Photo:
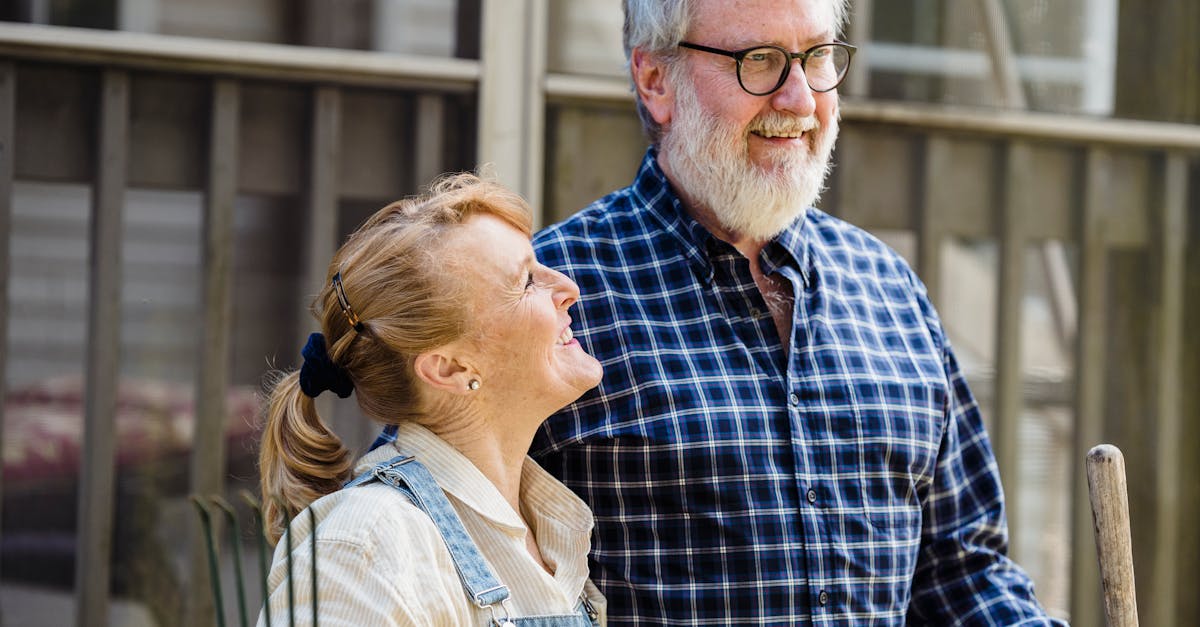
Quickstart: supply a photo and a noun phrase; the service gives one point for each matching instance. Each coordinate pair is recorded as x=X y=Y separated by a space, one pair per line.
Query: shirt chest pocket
x=890 y=441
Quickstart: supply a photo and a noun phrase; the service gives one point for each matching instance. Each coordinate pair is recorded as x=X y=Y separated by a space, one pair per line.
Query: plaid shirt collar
x=653 y=190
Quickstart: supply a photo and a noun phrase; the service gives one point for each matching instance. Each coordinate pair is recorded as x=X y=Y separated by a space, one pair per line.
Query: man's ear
x=650 y=80
x=442 y=372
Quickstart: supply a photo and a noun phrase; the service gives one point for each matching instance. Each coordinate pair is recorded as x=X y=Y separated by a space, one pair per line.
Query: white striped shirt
x=381 y=561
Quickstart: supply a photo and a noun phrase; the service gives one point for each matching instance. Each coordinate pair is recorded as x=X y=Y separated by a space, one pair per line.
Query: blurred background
x=175 y=175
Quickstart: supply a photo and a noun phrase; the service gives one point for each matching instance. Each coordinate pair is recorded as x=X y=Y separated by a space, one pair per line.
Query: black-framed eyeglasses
x=762 y=70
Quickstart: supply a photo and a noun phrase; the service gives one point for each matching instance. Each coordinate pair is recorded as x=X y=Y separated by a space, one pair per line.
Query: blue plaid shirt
x=846 y=481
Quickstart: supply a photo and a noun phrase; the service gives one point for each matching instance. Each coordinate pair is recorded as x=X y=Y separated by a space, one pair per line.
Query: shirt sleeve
x=963 y=575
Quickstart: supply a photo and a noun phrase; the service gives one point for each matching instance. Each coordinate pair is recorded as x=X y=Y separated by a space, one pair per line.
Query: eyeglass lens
x=761 y=70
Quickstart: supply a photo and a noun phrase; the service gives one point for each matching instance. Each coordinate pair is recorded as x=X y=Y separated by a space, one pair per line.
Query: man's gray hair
x=657 y=27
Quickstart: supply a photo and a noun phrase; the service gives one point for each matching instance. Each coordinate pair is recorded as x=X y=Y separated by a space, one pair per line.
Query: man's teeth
x=772 y=134
x=566 y=336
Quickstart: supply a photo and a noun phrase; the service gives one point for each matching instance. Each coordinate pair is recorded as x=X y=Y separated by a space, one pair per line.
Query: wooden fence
x=327 y=128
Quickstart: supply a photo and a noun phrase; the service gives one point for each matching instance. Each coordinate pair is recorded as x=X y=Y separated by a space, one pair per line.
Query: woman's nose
x=566 y=292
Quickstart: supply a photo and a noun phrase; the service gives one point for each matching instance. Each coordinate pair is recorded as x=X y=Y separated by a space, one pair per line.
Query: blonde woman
x=438 y=318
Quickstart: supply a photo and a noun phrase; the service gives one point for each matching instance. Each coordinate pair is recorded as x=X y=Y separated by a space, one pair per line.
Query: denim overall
x=413 y=480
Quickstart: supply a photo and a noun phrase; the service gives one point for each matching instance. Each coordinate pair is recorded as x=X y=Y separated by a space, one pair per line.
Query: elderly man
x=782 y=435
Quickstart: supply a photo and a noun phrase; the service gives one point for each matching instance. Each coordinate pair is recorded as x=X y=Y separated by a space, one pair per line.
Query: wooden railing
x=328 y=126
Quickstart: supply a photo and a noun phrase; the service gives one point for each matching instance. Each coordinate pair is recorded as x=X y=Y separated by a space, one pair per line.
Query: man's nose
x=795 y=96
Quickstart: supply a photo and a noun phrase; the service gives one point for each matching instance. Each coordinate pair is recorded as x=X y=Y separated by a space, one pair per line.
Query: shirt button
x=755 y=312
x=823 y=598
x=794 y=399
x=811 y=495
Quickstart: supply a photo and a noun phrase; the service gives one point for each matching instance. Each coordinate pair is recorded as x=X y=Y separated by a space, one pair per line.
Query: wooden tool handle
x=1110 y=514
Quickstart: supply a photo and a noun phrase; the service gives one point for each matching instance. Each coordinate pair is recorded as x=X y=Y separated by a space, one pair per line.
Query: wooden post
x=324 y=191
x=1091 y=352
x=858 y=83
x=1169 y=252
x=97 y=473
x=212 y=380
x=429 y=143
x=511 y=95
x=1188 y=549
x=1009 y=395
x=929 y=223
x=1114 y=547
x=1000 y=48
x=8 y=112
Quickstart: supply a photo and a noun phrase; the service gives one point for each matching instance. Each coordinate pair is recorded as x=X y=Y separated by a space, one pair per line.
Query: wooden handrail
x=143 y=51
x=968 y=120
x=1037 y=126
x=377 y=69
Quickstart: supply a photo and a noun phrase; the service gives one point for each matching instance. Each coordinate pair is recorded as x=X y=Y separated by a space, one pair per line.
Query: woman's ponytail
x=300 y=459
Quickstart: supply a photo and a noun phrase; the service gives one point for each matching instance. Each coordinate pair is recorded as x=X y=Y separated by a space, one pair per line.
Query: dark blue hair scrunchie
x=319 y=373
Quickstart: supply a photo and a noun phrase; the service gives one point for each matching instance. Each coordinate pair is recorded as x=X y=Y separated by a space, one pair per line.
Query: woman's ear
x=443 y=372
x=650 y=80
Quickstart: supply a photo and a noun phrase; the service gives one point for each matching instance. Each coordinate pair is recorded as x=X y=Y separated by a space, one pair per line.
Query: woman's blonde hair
x=397 y=285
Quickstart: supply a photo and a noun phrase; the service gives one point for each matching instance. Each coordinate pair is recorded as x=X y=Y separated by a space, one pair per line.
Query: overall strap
x=584 y=616
x=407 y=475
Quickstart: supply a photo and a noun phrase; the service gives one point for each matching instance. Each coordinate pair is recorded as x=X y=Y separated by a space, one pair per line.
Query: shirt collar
x=791 y=248
x=541 y=494
x=654 y=191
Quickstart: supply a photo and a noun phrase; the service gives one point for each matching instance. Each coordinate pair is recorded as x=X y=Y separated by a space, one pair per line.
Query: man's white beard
x=710 y=159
